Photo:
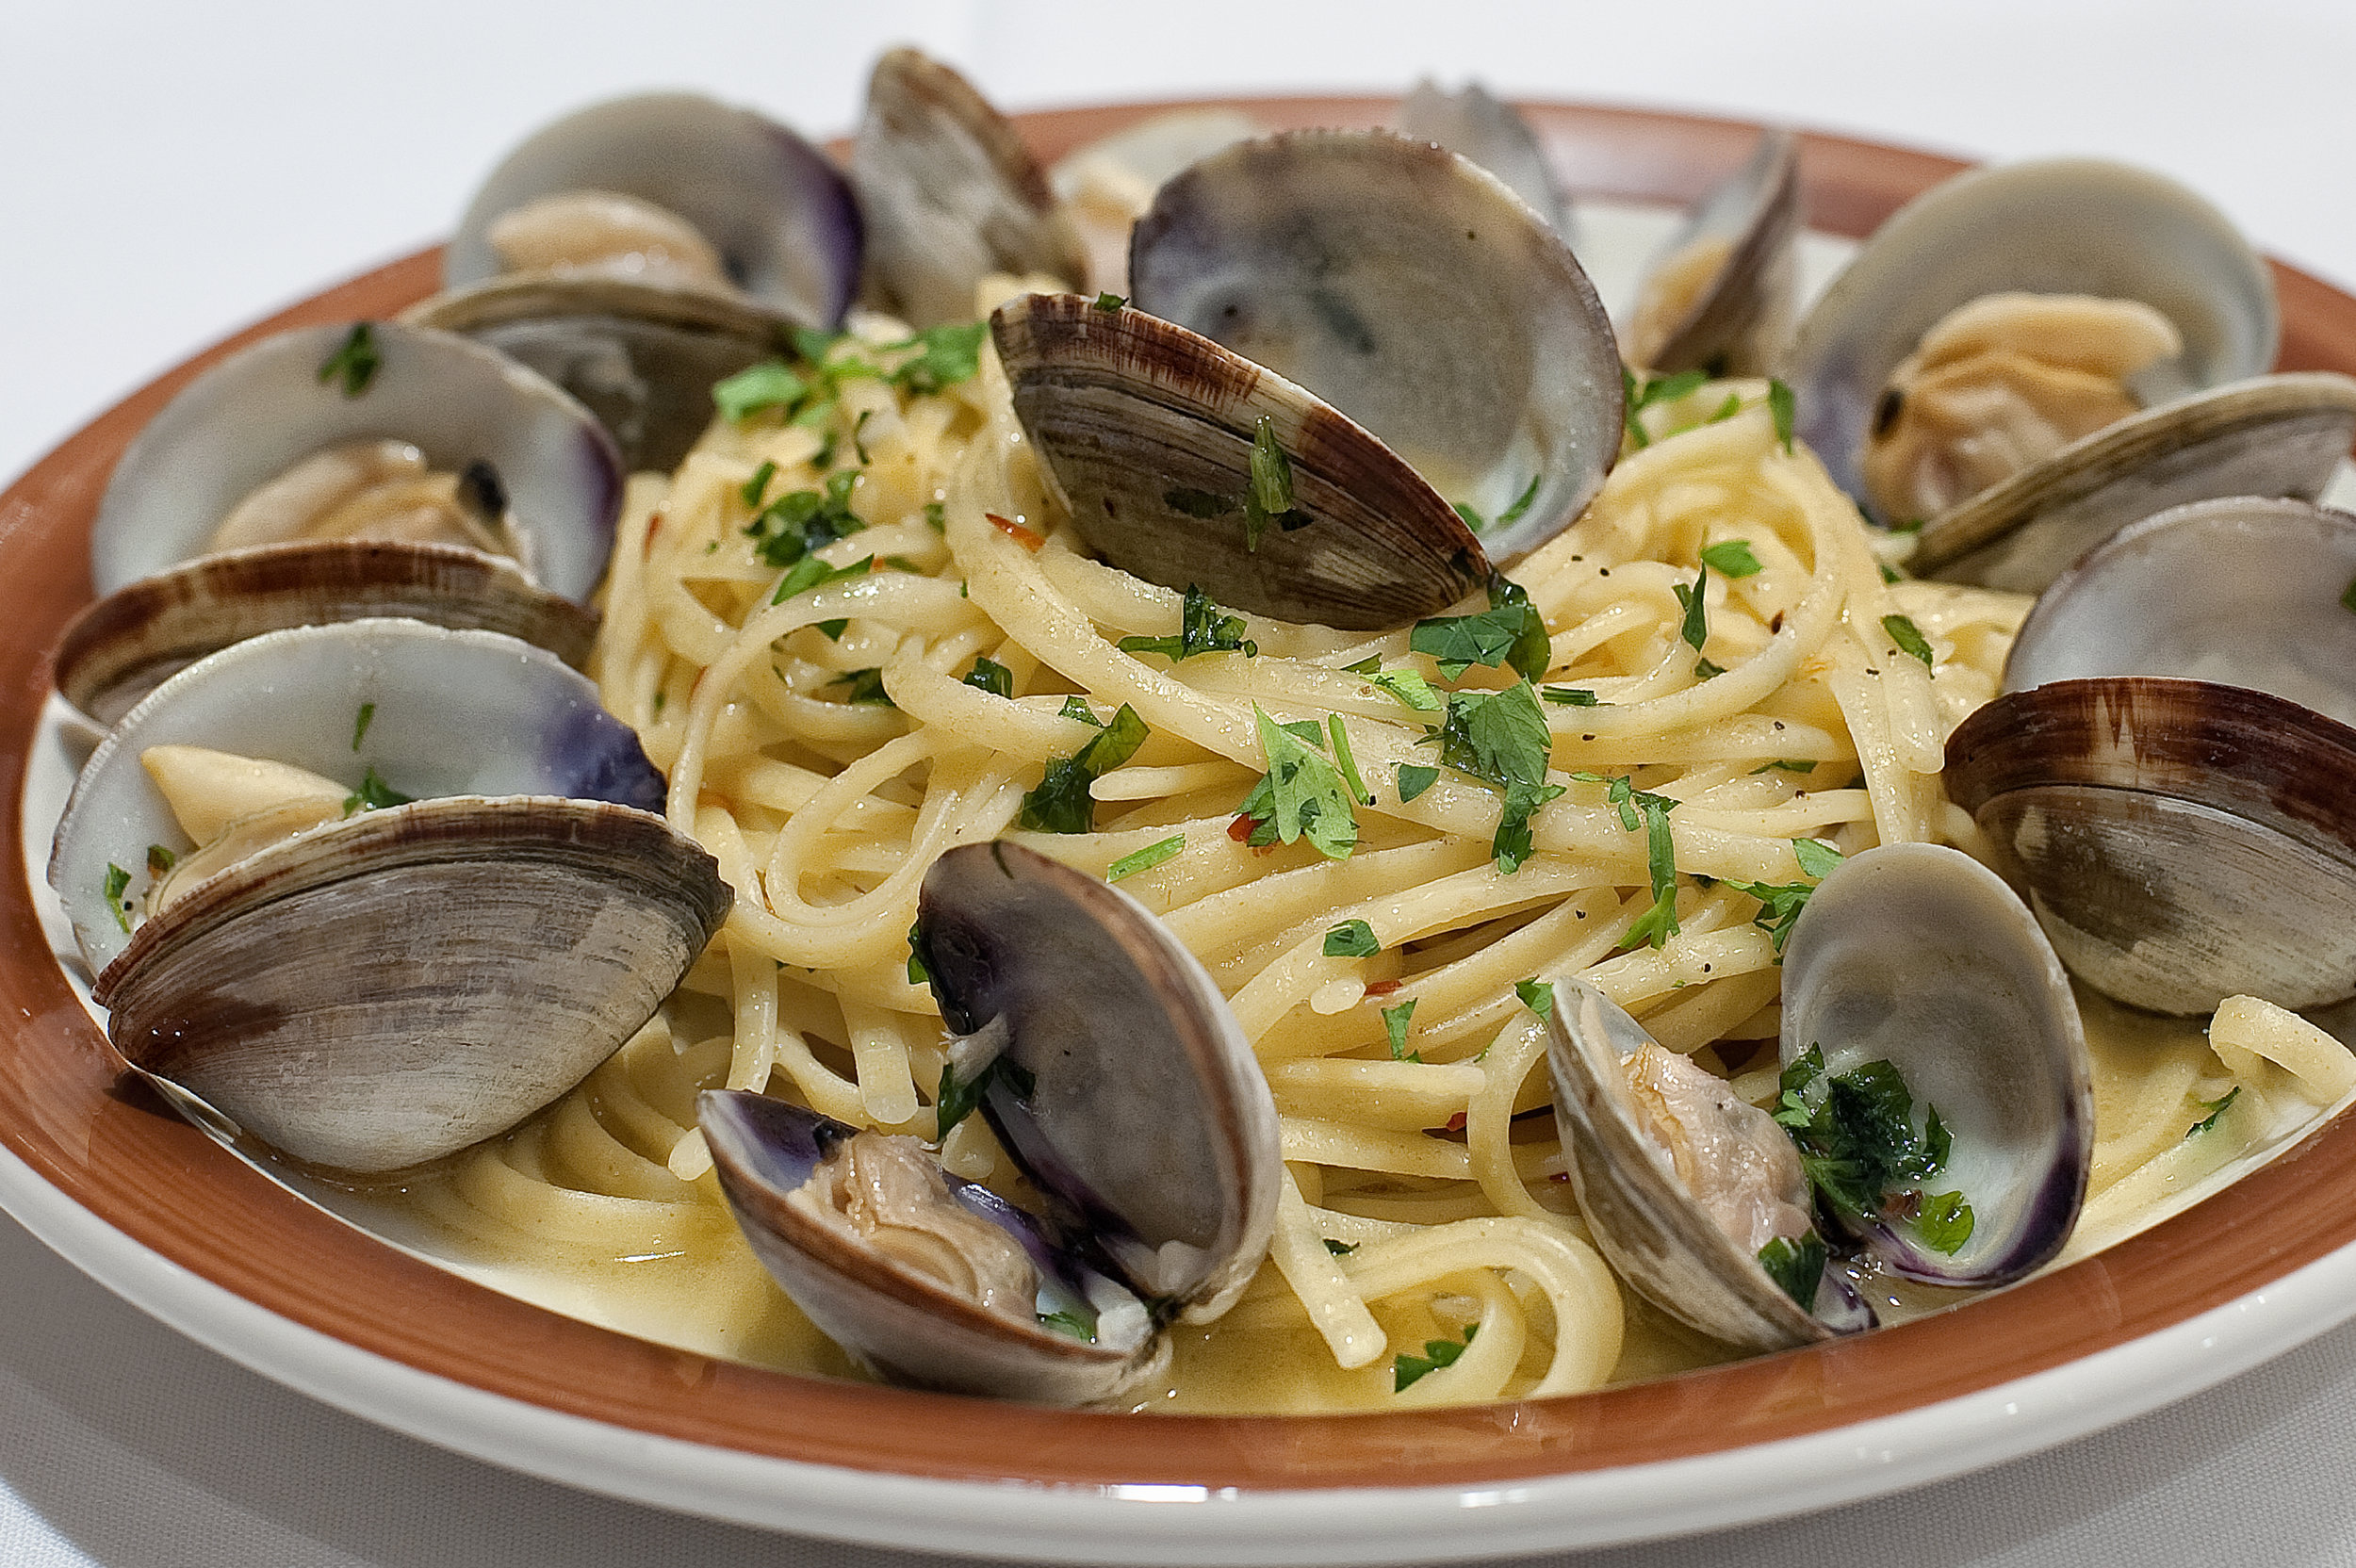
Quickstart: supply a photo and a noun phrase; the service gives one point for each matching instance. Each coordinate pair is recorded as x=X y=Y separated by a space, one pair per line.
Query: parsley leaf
x=1068 y=1323
x=800 y=521
x=937 y=517
x=947 y=354
x=866 y=686
x=1783 y=901
x=1077 y=707
x=1353 y=938
x=1537 y=995
x=957 y=1098
x=1856 y=1140
x=1696 y=627
x=1406 y=687
x=1414 y=779
x=1301 y=796
x=1569 y=697
x=811 y=572
x=1347 y=763
x=756 y=487
x=1816 y=858
x=918 y=973
x=2348 y=597
x=1908 y=637
x=1640 y=396
x=1395 y=1024
x=1786 y=764
x=988 y=675
x=1110 y=302
x=373 y=794
x=1147 y=858
x=1339 y=1248
x=1501 y=738
x=1408 y=1370
x=354 y=361
x=772 y=384
x=2214 y=1107
x=360 y=722
x=1732 y=557
x=1271 y=498
x=160 y=859
x=1520 y=507
x=1785 y=411
x=1797 y=1267
x=1062 y=804
x=1944 y=1222
x=1510 y=632
x=1200 y=629
x=1655 y=925
x=117 y=879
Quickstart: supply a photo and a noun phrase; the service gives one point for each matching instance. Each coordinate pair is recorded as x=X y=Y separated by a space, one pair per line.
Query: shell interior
x=1737 y=324
x=1474 y=125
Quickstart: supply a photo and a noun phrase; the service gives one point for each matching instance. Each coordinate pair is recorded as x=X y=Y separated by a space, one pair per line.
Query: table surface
x=174 y=169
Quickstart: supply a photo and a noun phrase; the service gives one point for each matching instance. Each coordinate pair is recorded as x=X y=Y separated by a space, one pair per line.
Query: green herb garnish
x=811 y=572
x=1640 y=396
x=1537 y=995
x=957 y=1098
x=160 y=861
x=800 y=521
x=918 y=973
x=1786 y=409
x=1147 y=858
x=1908 y=638
x=117 y=880
x=1569 y=697
x=1785 y=764
x=2216 y=1108
x=1200 y=629
x=1797 y=1267
x=354 y=361
x=1395 y=1021
x=1062 y=804
x=1301 y=796
x=988 y=675
x=1856 y=1140
x=1510 y=632
x=373 y=794
x=1657 y=924
x=1782 y=902
x=866 y=686
x=1068 y=1323
x=1407 y=1370
x=1696 y=627
x=772 y=384
x=1353 y=938
x=1347 y=763
x=1732 y=558
x=1110 y=302
x=1271 y=498
x=1406 y=687
x=1339 y=1248
x=756 y=487
x=1414 y=779
x=366 y=717
x=947 y=354
x=1501 y=739
x=936 y=516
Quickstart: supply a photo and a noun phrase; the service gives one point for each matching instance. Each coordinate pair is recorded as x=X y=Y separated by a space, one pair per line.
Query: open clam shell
x=251 y=417
x=1643 y=1217
x=771 y=205
x=1745 y=230
x=2181 y=841
x=121 y=649
x=1147 y=433
x=904 y=1322
x=1918 y=956
x=1475 y=125
x=949 y=194
x=641 y=356
x=1415 y=292
x=1112 y=1070
x=2242 y=590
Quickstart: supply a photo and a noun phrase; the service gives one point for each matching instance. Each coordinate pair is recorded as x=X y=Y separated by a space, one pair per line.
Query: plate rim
x=40 y=1169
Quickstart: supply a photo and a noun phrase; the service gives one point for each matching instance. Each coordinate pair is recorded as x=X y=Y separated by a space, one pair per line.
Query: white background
x=171 y=170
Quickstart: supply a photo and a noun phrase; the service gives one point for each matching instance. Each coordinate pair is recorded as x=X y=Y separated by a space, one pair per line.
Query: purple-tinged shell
x=1918 y=955
x=1475 y=125
x=776 y=210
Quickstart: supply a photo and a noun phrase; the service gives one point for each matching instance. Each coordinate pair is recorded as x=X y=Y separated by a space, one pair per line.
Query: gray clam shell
x=1918 y=955
x=250 y=417
x=1475 y=125
x=780 y=216
x=1411 y=290
x=1738 y=323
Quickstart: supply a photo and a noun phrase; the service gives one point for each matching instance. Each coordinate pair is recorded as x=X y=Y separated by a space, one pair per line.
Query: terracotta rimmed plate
x=157 y=1211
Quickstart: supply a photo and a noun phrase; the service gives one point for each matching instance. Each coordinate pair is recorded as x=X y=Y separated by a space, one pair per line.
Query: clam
x=1111 y=1069
x=1914 y=982
x=1106 y=186
x=1413 y=291
x=1471 y=122
x=641 y=249
x=369 y=988
x=2026 y=359
x=949 y=194
x=2170 y=773
x=1721 y=295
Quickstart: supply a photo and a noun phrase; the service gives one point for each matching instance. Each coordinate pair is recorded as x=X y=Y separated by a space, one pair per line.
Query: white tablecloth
x=169 y=170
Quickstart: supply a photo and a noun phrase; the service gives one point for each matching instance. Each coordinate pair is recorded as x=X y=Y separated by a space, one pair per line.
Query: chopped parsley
x=2214 y=1107
x=1782 y=902
x=2348 y=597
x=1657 y=924
x=373 y=794
x=354 y=361
x=1301 y=796
x=772 y=384
x=1147 y=858
x=947 y=354
x=937 y=517
x=1110 y=302
x=1414 y=779
x=1353 y=938
x=1696 y=627
x=1643 y=808
x=117 y=880
x=1509 y=632
x=957 y=1098
x=1406 y=687
x=1507 y=518
x=160 y=859
x=1347 y=763
x=1068 y=1323
x=1408 y=1370
x=366 y=717
x=1857 y=1142
x=918 y=973
x=1200 y=629
x=1569 y=697
x=1908 y=637
x=1732 y=558
x=811 y=572
x=1728 y=410
x=1395 y=1021
x=1705 y=670
x=1786 y=409
x=1501 y=739
x=1786 y=764
x=799 y=521
x=1537 y=995
x=1271 y=498
x=1798 y=1266
x=756 y=487
x=1077 y=707
x=1062 y=804
x=866 y=686
x=988 y=675
x=1339 y=1248
x=1640 y=396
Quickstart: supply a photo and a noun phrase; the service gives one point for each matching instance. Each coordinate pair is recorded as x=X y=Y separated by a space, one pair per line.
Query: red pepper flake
x=654 y=526
x=1382 y=988
x=1456 y=1122
x=1016 y=532
x=1240 y=829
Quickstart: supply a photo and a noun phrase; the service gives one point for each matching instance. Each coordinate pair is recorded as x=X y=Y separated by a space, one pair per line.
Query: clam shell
x=949 y=194
x=2241 y=591
x=2271 y=435
x=1738 y=324
x=253 y=414
x=2180 y=841
x=780 y=216
x=643 y=357
x=1411 y=290
x=1918 y=955
x=121 y=649
x=898 y=1321
x=387 y=990
x=1142 y=426
x=1492 y=134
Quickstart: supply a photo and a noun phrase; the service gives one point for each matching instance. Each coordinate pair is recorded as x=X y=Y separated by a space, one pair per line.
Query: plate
x=154 y=1209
